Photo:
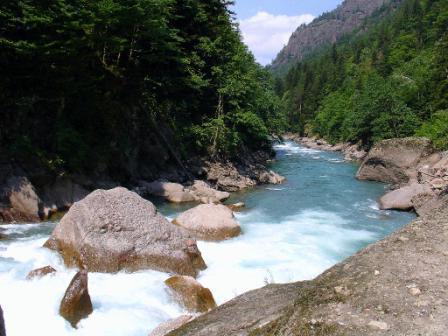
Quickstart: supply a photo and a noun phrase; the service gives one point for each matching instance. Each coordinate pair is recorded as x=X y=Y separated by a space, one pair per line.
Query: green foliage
x=378 y=84
x=436 y=129
x=76 y=76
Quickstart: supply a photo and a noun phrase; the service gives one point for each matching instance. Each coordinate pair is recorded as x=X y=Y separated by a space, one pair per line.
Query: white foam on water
x=297 y=248
x=292 y=148
x=124 y=304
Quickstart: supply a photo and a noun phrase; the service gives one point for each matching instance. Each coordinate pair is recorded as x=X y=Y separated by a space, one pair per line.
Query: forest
x=388 y=79
x=91 y=86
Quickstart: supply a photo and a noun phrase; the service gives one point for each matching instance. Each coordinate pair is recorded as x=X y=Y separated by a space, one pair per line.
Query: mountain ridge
x=327 y=28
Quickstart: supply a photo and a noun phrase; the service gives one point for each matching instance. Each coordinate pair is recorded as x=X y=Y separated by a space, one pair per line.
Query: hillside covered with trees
x=391 y=81
x=116 y=86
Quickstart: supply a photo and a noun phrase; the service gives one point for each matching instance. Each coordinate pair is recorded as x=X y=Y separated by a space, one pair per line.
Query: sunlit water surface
x=321 y=215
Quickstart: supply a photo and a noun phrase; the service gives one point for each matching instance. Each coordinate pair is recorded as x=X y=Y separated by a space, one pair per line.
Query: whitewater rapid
x=290 y=232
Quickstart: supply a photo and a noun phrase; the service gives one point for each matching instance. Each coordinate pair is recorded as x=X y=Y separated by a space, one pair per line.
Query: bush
x=436 y=129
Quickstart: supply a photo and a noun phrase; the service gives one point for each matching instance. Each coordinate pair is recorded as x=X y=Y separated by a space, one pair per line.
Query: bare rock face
x=402 y=199
x=191 y=294
x=23 y=203
x=40 y=272
x=164 y=328
x=115 y=230
x=395 y=161
x=328 y=28
x=2 y=323
x=76 y=303
x=209 y=222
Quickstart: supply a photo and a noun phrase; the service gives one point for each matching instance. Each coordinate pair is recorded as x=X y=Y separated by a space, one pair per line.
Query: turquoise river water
x=291 y=232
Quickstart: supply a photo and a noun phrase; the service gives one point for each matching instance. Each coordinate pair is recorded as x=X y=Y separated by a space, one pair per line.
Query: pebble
x=378 y=325
x=415 y=291
x=377 y=272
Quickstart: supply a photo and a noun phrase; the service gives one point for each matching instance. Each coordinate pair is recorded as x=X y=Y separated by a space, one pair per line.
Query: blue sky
x=266 y=25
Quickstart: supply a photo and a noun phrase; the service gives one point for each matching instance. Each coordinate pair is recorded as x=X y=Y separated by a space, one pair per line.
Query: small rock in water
x=237 y=206
x=40 y=272
x=378 y=325
x=191 y=294
x=76 y=303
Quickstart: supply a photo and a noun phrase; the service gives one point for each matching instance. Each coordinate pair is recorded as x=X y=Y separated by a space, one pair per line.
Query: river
x=291 y=232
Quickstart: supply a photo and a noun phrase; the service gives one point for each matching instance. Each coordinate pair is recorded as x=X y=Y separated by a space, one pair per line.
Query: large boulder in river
x=395 y=161
x=402 y=199
x=191 y=294
x=209 y=222
x=76 y=303
x=115 y=230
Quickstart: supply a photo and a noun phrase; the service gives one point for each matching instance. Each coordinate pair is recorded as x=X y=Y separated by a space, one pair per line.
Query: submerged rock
x=115 y=230
x=403 y=198
x=40 y=272
x=76 y=303
x=166 y=327
x=395 y=161
x=191 y=294
x=209 y=222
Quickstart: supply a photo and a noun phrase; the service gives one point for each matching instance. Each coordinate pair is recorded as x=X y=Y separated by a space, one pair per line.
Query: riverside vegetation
x=387 y=79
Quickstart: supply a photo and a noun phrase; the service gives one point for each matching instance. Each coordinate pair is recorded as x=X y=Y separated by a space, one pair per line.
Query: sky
x=266 y=25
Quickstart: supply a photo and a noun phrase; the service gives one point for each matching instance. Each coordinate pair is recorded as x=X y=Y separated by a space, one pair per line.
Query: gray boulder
x=209 y=222
x=402 y=199
x=115 y=230
x=395 y=161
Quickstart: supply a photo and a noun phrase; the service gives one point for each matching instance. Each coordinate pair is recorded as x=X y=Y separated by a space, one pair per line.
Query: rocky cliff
x=328 y=28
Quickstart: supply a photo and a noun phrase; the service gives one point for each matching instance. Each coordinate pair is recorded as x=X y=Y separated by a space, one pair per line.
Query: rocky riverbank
x=416 y=172
x=31 y=195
